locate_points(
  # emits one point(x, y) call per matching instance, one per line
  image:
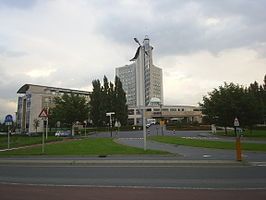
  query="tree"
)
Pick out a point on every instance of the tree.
point(69, 109)
point(36, 124)
point(255, 104)
point(108, 98)
point(96, 112)
point(219, 107)
point(222, 105)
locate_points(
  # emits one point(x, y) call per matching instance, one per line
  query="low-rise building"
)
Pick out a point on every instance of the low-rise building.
point(165, 112)
point(33, 98)
point(155, 110)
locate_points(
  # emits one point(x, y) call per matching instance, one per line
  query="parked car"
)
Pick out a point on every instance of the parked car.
point(62, 133)
point(57, 133)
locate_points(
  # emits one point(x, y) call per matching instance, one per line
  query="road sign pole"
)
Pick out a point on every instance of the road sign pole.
point(43, 137)
point(144, 130)
point(8, 123)
point(8, 138)
point(85, 129)
point(46, 128)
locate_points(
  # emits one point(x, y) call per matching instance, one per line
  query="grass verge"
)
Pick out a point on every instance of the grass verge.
point(90, 146)
point(23, 140)
point(209, 144)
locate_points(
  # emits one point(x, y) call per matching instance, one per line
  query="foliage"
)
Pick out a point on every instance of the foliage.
point(222, 105)
point(120, 100)
point(36, 124)
point(96, 111)
point(69, 109)
point(3, 127)
point(108, 98)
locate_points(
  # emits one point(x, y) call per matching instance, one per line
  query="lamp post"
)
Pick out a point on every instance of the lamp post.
point(109, 114)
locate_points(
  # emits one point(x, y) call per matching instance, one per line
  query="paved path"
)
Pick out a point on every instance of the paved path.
point(194, 153)
point(26, 192)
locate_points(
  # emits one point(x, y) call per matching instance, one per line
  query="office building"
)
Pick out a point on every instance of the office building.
point(141, 80)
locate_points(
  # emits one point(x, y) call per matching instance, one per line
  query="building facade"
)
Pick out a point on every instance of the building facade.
point(33, 98)
point(141, 80)
point(167, 113)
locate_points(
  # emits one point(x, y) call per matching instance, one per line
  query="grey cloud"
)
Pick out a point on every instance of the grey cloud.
point(177, 31)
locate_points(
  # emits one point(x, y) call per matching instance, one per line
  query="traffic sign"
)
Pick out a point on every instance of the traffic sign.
point(236, 122)
point(8, 118)
point(43, 113)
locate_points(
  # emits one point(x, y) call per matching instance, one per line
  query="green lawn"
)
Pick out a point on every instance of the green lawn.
point(209, 144)
point(23, 140)
point(90, 146)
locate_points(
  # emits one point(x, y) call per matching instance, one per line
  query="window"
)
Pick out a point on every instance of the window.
point(131, 111)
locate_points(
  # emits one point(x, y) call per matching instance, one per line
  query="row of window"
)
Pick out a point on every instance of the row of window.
point(131, 111)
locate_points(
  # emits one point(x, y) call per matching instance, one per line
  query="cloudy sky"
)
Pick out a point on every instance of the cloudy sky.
point(199, 44)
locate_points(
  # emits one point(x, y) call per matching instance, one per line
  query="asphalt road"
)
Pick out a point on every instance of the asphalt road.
point(115, 183)
point(161, 177)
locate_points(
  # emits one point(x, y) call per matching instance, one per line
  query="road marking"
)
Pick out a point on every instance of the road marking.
point(130, 138)
point(200, 138)
point(259, 164)
point(130, 186)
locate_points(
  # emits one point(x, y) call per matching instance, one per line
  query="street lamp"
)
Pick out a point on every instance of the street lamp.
point(109, 114)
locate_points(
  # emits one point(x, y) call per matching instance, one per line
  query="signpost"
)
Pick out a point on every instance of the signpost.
point(8, 122)
point(44, 116)
point(85, 122)
point(109, 114)
point(117, 125)
point(238, 135)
